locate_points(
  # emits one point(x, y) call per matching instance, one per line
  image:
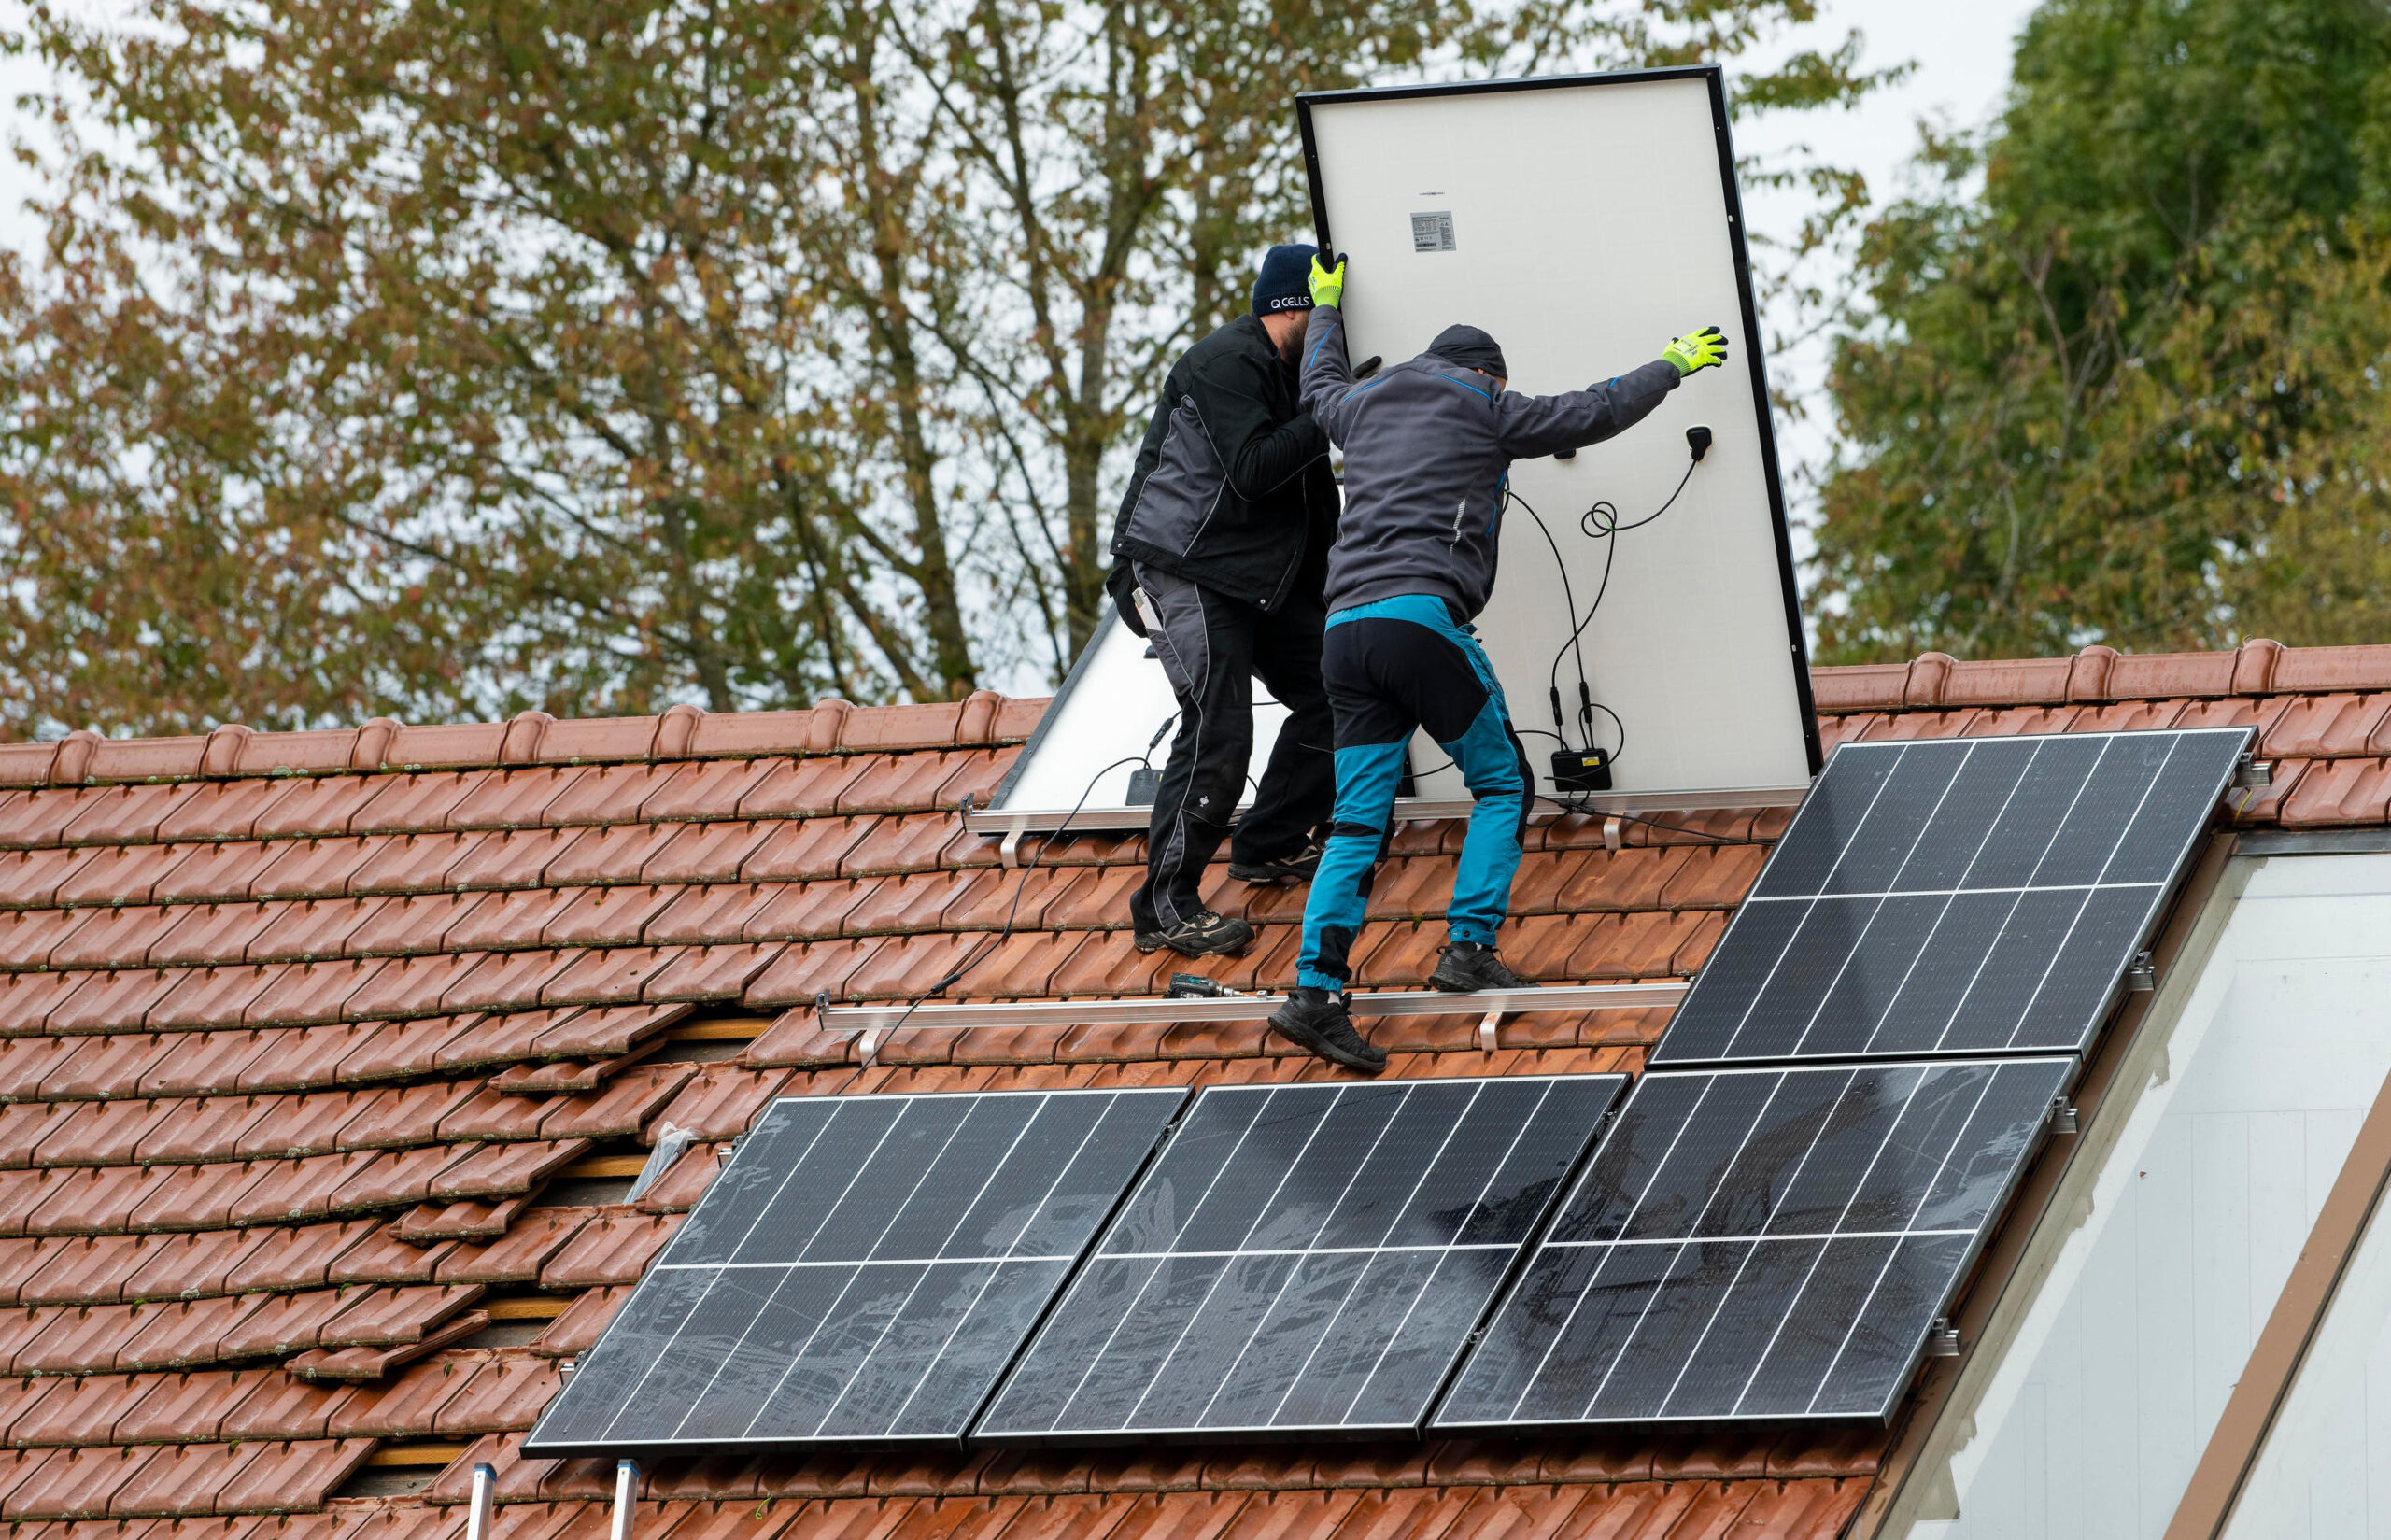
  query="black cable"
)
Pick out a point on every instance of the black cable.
point(1596, 526)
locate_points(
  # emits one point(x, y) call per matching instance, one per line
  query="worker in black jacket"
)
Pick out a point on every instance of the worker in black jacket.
point(1221, 552)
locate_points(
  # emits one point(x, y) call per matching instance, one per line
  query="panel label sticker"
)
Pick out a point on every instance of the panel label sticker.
point(1433, 232)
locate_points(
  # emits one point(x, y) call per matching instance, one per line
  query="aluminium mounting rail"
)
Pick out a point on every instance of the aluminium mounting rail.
point(1490, 1006)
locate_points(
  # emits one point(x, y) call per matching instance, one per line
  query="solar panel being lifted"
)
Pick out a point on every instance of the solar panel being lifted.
point(862, 1270)
point(1766, 1244)
point(1302, 1258)
point(1959, 895)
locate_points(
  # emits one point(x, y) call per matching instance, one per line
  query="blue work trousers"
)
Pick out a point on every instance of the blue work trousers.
point(1392, 667)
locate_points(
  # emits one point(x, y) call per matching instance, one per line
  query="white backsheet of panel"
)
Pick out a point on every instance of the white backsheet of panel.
point(1117, 698)
point(1589, 224)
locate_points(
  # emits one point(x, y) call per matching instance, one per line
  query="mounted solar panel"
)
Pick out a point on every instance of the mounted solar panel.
point(1302, 1259)
point(1763, 1244)
point(862, 1271)
point(1961, 895)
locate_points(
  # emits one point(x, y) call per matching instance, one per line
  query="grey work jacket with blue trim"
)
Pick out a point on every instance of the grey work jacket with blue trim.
point(1428, 447)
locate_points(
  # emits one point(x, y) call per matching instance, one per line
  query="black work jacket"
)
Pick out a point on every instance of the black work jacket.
point(1232, 488)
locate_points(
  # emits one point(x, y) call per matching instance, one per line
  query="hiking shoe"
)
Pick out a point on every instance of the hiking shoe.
point(1466, 966)
point(1297, 868)
point(1316, 1021)
point(1204, 935)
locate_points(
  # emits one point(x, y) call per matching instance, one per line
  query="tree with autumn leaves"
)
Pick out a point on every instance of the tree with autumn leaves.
point(448, 358)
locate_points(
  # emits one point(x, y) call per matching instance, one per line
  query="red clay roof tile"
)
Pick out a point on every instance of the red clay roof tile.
point(30, 878)
point(397, 1049)
point(402, 987)
point(802, 788)
point(613, 1247)
point(297, 1257)
point(612, 855)
point(577, 1330)
point(794, 852)
point(713, 911)
point(516, 1256)
point(612, 794)
point(610, 976)
point(28, 937)
point(2340, 792)
point(129, 815)
point(306, 931)
point(190, 1265)
point(513, 798)
point(408, 863)
point(605, 916)
point(184, 874)
point(81, 1270)
point(430, 1222)
point(705, 790)
point(794, 911)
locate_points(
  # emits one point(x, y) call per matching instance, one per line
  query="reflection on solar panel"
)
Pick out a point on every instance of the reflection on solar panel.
point(1757, 1243)
point(1303, 1257)
point(1965, 896)
point(863, 1269)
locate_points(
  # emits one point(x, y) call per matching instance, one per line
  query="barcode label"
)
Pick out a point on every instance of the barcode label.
point(1433, 232)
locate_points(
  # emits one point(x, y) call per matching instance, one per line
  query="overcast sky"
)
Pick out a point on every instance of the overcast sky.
point(1961, 53)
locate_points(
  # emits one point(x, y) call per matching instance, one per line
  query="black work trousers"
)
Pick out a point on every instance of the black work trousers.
point(1212, 648)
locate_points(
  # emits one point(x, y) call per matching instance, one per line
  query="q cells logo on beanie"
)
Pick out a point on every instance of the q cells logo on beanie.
point(1284, 279)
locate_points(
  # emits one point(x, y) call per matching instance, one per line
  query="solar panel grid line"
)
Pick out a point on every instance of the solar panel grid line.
point(1945, 1140)
point(632, 1401)
point(985, 1284)
point(1874, 798)
point(2056, 854)
point(1494, 1172)
point(1879, 1282)
point(960, 1220)
point(1891, 1128)
point(2074, 802)
point(1560, 1335)
point(1935, 893)
point(878, 1261)
point(1260, 1213)
point(1304, 1350)
point(1263, 1319)
point(1811, 1026)
point(1197, 1314)
point(1126, 1315)
point(949, 1213)
point(2107, 862)
point(828, 1316)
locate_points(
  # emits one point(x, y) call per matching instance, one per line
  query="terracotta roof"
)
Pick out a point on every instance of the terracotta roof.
point(324, 1057)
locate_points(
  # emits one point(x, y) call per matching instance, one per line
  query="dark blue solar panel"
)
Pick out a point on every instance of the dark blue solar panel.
point(863, 1270)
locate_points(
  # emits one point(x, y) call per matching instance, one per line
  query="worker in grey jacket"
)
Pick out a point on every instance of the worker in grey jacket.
point(1428, 451)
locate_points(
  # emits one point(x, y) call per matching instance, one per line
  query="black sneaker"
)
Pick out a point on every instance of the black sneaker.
point(1466, 966)
point(1316, 1021)
point(1206, 935)
point(1297, 868)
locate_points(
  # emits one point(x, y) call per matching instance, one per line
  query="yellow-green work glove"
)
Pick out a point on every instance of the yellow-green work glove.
point(1327, 287)
point(1696, 350)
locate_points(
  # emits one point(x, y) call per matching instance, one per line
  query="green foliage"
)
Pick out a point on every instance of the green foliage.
point(2120, 377)
point(446, 358)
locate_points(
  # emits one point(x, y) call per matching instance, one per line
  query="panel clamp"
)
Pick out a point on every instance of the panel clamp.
point(2141, 974)
point(1943, 1338)
point(2063, 1116)
point(2253, 773)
